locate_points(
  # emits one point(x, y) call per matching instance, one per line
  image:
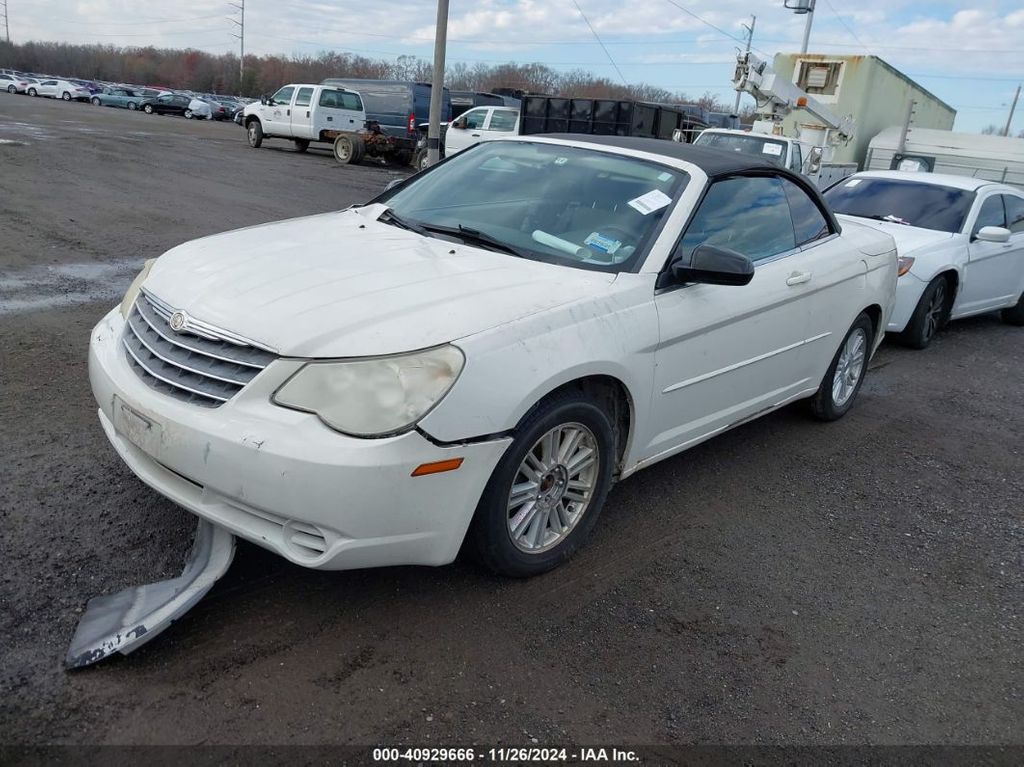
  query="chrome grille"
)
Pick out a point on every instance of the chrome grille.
point(202, 369)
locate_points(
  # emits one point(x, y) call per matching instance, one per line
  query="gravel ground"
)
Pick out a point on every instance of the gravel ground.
point(789, 582)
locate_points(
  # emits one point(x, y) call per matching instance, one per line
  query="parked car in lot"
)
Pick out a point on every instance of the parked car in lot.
point(13, 83)
point(111, 96)
point(199, 109)
point(960, 240)
point(397, 106)
point(480, 124)
point(167, 104)
point(480, 351)
point(59, 89)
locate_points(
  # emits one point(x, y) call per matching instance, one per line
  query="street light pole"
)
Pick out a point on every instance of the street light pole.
point(241, 39)
point(807, 27)
point(437, 85)
point(750, 40)
point(7, 29)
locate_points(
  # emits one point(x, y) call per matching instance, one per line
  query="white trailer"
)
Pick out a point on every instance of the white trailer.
point(993, 158)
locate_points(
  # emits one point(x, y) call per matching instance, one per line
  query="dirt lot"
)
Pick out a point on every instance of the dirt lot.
point(789, 582)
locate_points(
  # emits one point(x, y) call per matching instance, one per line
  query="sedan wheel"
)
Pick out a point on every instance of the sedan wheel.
point(552, 488)
point(65, 96)
point(132, 105)
point(96, 102)
point(547, 491)
point(930, 315)
point(188, 114)
point(11, 89)
point(845, 375)
point(148, 109)
point(32, 92)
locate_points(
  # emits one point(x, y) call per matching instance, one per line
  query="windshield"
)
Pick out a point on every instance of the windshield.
point(766, 148)
point(560, 204)
point(912, 203)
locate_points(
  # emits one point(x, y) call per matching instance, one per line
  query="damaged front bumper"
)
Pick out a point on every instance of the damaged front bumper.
point(123, 622)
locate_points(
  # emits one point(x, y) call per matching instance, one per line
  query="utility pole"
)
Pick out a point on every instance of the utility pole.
point(241, 40)
point(750, 40)
point(437, 85)
point(1013, 108)
point(7, 29)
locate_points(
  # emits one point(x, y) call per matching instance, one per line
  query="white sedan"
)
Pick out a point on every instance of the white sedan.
point(59, 89)
point(960, 241)
point(480, 352)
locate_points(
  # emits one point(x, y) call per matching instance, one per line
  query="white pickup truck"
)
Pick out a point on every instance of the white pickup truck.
point(305, 113)
point(480, 124)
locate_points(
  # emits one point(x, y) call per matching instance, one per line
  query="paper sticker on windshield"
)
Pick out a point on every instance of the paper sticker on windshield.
point(664, 176)
point(650, 202)
point(603, 243)
point(561, 160)
point(773, 149)
point(852, 182)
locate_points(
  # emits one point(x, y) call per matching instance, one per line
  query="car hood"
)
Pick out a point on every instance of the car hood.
point(908, 238)
point(345, 285)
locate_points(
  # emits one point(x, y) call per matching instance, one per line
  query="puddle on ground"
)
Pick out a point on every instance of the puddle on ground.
point(47, 287)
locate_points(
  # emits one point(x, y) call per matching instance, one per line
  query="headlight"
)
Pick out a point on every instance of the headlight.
point(135, 287)
point(373, 397)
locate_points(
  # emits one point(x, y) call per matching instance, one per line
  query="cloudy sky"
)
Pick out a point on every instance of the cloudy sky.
point(970, 54)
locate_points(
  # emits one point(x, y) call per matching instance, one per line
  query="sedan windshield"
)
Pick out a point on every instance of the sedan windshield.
point(548, 202)
point(760, 146)
point(913, 203)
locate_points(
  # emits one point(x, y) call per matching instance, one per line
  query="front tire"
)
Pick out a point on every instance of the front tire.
point(11, 89)
point(548, 489)
point(845, 375)
point(188, 114)
point(148, 109)
point(132, 106)
point(930, 315)
point(33, 92)
point(96, 102)
point(1015, 314)
point(65, 96)
point(301, 144)
point(254, 134)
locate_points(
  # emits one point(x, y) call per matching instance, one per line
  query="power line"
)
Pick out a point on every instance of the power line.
point(707, 23)
point(847, 27)
point(606, 51)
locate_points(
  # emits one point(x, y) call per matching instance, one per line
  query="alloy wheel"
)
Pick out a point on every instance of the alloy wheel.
point(553, 488)
point(849, 367)
point(936, 310)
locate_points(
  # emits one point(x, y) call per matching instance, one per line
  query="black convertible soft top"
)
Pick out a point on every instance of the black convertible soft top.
point(714, 162)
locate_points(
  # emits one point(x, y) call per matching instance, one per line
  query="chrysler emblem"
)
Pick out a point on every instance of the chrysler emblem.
point(178, 320)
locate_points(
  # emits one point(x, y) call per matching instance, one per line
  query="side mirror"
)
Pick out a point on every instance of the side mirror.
point(713, 265)
point(992, 234)
point(265, 100)
point(460, 124)
point(393, 183)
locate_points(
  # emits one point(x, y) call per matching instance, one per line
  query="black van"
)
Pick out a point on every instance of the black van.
point(399, 106)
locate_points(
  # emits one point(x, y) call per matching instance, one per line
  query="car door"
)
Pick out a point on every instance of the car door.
point(47, 88)
point(1015, 222)
point(302, 113)
point(727, 353)
point(276, 114)
point(337, 110)
point(991, 273)
point(500, 122)
point(465, 130)
point(162, 105)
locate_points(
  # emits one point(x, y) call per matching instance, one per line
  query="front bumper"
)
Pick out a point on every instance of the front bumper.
point(283, 480)
point(908, 292)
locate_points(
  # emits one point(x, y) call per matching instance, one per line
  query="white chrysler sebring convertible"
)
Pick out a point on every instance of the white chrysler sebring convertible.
point(480, 352)
point(960, 241)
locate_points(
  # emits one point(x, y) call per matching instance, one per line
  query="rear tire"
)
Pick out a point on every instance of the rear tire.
point(148, 109)
point(349, 149)
point(65, 96)
point(930, 315)
point(96, 102)
point(419, 160)
point(254, 134)
point(188, 114)
point(301, 144)
point(11, 89)
point(1015, 314)
point(33, 92)
point(842, 381)
point(525, 526)
point(132, 106)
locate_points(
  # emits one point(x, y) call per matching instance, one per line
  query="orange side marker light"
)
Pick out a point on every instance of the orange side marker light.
point(450, 464)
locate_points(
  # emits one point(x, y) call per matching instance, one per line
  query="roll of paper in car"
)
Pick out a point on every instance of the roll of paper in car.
point(559, 244)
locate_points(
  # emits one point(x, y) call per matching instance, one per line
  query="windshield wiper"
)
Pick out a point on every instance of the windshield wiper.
point(468, 234)
point(390, 217)
point(889, 218)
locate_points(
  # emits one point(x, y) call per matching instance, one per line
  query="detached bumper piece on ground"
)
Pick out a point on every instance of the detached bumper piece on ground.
point(125, 621)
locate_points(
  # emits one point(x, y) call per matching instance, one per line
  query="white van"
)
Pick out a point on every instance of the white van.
point(304, 113)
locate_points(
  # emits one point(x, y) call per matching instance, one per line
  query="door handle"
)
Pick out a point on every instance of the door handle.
point(307, 113)
point(475, 135)
point(798, 278)
point(288, 112)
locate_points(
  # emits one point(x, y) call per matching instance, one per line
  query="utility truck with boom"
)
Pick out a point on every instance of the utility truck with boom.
point(810, 152)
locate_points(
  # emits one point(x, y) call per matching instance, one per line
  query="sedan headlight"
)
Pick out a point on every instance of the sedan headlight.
point(135, 287)
point(373, 397)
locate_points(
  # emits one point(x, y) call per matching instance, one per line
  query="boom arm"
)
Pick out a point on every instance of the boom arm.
point(777, 97)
